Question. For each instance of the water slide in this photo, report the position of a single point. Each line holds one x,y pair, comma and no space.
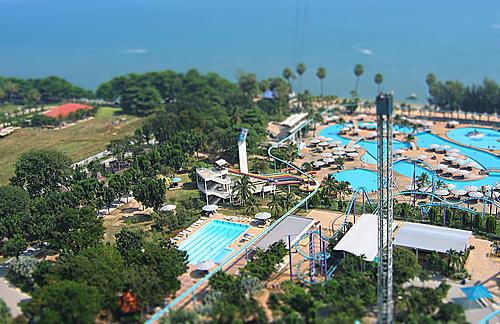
277,179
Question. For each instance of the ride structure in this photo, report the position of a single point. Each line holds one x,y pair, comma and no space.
385,178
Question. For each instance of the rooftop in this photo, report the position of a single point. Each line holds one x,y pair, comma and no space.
293,226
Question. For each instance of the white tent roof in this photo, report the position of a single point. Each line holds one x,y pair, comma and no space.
361,239
431,238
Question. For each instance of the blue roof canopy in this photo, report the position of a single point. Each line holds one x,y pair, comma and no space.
476,292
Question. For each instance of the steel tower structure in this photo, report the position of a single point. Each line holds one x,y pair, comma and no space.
385,178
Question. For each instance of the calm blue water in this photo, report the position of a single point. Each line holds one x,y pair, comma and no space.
490,139
210,242
90,41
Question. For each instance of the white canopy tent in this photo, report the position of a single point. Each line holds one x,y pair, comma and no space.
431,238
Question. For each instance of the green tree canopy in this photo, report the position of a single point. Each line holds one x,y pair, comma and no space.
64,302
140,100
41,172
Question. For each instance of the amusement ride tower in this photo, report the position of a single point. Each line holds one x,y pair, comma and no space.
385,180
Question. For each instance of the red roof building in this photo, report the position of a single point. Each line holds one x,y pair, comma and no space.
64,110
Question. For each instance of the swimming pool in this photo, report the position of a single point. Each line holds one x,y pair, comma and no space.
210,242
358,178
488,138
484,159
368,179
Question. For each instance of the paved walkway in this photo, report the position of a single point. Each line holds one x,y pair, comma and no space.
10,294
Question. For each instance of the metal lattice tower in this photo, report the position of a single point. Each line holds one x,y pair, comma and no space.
385,207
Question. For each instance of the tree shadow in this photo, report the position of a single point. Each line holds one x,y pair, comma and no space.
136,218
198,274
130,210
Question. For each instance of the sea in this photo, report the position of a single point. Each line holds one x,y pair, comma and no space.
90,41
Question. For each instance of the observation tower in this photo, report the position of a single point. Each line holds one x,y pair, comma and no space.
385,177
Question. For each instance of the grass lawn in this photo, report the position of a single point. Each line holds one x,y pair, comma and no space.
78,141
8,108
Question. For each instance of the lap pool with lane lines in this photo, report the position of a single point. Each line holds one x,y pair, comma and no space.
211,241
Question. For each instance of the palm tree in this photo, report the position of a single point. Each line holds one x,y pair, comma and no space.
243,189
274,205
430,79
440,184
301,68
321,75
358,72
288,75
379,78
306,166
252,206
329,185
340,161
423,179
342,189
287,201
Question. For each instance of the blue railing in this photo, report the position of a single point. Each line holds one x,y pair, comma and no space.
193,288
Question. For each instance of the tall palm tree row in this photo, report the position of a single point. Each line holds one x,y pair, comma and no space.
321,75
274,205
243,189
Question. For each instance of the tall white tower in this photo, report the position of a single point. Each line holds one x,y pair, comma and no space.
242,150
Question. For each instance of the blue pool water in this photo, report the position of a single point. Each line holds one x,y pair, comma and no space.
210,242
358,178
489,140
484,159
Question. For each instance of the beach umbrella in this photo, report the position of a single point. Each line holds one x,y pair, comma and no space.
453,123
472,164
422,157
476,292
463,172
437,167
263,216
337,142
425,189
327,139
452,154
445,147
460,162
362,116
337,149
453,150
459,192
471,188
205,265
450,186
210,208
318,164
449,158
434,146
168,208
350,149
315,141
476,194
328,160
324,144
357,146
345,129
372,134
442,192
352,154
320,137
326,154
339,152
410,187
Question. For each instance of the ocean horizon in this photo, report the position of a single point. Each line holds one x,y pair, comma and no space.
90,42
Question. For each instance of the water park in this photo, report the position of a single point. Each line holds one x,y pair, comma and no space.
442,170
